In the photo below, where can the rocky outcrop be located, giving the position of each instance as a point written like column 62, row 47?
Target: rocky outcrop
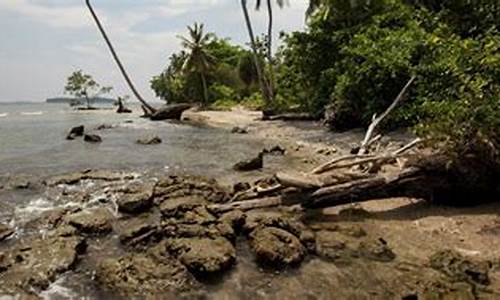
column 144, row 275
column 75, row 132
column 92, row 221
column 149, row 141
column 135, row 202
column 37, row 263
column 203, row 255
column 5, row 232
column 276, row 247
column 460, row 268
column 92, row 138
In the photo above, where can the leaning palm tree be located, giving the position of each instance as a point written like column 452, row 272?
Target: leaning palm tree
column 269, row 45
column 147, row 107
column 253, row 43
column 199, row 59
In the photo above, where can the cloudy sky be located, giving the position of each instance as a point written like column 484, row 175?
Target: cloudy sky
column 42, row 41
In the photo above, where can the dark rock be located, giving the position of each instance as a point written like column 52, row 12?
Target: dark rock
column 170, row 112
column 134, row 203
column 35, row 264
column 104, row 126
column 241, row 187
column 5, row 232
column 239, row 130
column 355, row 150
column 275, row 150
column 459, row 267
column 276, row 247
column 144, row 275
column 123, row 110
column 92, row 138
column 250, row 164
column 92, row 221
column 75, row 132
column 149, row 141
column 203, row 255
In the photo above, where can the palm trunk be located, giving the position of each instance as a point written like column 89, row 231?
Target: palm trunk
column 205, row 89
column 258, row 67
column 270, row 49
column 117, row 60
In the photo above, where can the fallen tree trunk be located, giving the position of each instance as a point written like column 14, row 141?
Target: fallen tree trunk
column 434, row 178
column 246, row 205
column 170, row 112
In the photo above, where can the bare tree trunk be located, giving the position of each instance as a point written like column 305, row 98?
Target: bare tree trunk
column 117, row 60
column 270, row 50
column 205, row 89
column 258, row 67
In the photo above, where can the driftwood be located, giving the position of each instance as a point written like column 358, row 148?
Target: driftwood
column 246, row 205
column 376, row 120
column 170, row 112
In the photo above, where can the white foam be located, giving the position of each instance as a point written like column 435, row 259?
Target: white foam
column 58, row 290
column 33, row 113
column 2, row 115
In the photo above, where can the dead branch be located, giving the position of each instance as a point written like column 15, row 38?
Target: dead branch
column 376, row 120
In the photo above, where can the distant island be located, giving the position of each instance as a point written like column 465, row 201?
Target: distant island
column 80, row 101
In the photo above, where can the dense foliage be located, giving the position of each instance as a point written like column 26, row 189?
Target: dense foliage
column 355, row 57
column 361, row 53
column 230, row 76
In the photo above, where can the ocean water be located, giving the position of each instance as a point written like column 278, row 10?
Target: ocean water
column 32, row 140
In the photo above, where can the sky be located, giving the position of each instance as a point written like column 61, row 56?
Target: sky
column 43, row 41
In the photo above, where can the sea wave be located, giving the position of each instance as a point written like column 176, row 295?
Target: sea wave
column 3, row 115
column 32, row 113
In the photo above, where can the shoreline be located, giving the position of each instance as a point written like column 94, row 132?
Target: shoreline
column 136, row 231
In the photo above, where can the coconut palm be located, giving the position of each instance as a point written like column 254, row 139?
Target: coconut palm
column 131, row 85
column 269, row 45
column 253, row 43
column 198, row 59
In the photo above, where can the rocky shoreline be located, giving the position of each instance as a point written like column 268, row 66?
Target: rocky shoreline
column 160, row 235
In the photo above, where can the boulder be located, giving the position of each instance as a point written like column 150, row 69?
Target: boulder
column 276, row 247
column 92, row 138
column 203, row 255
column 170, row 112
column 149, row 141
column 75, row 132
column 253, row 164
column 91, row 221
column 134, row 203
column 235, row 218
column 5, row 232
column 143, row 275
